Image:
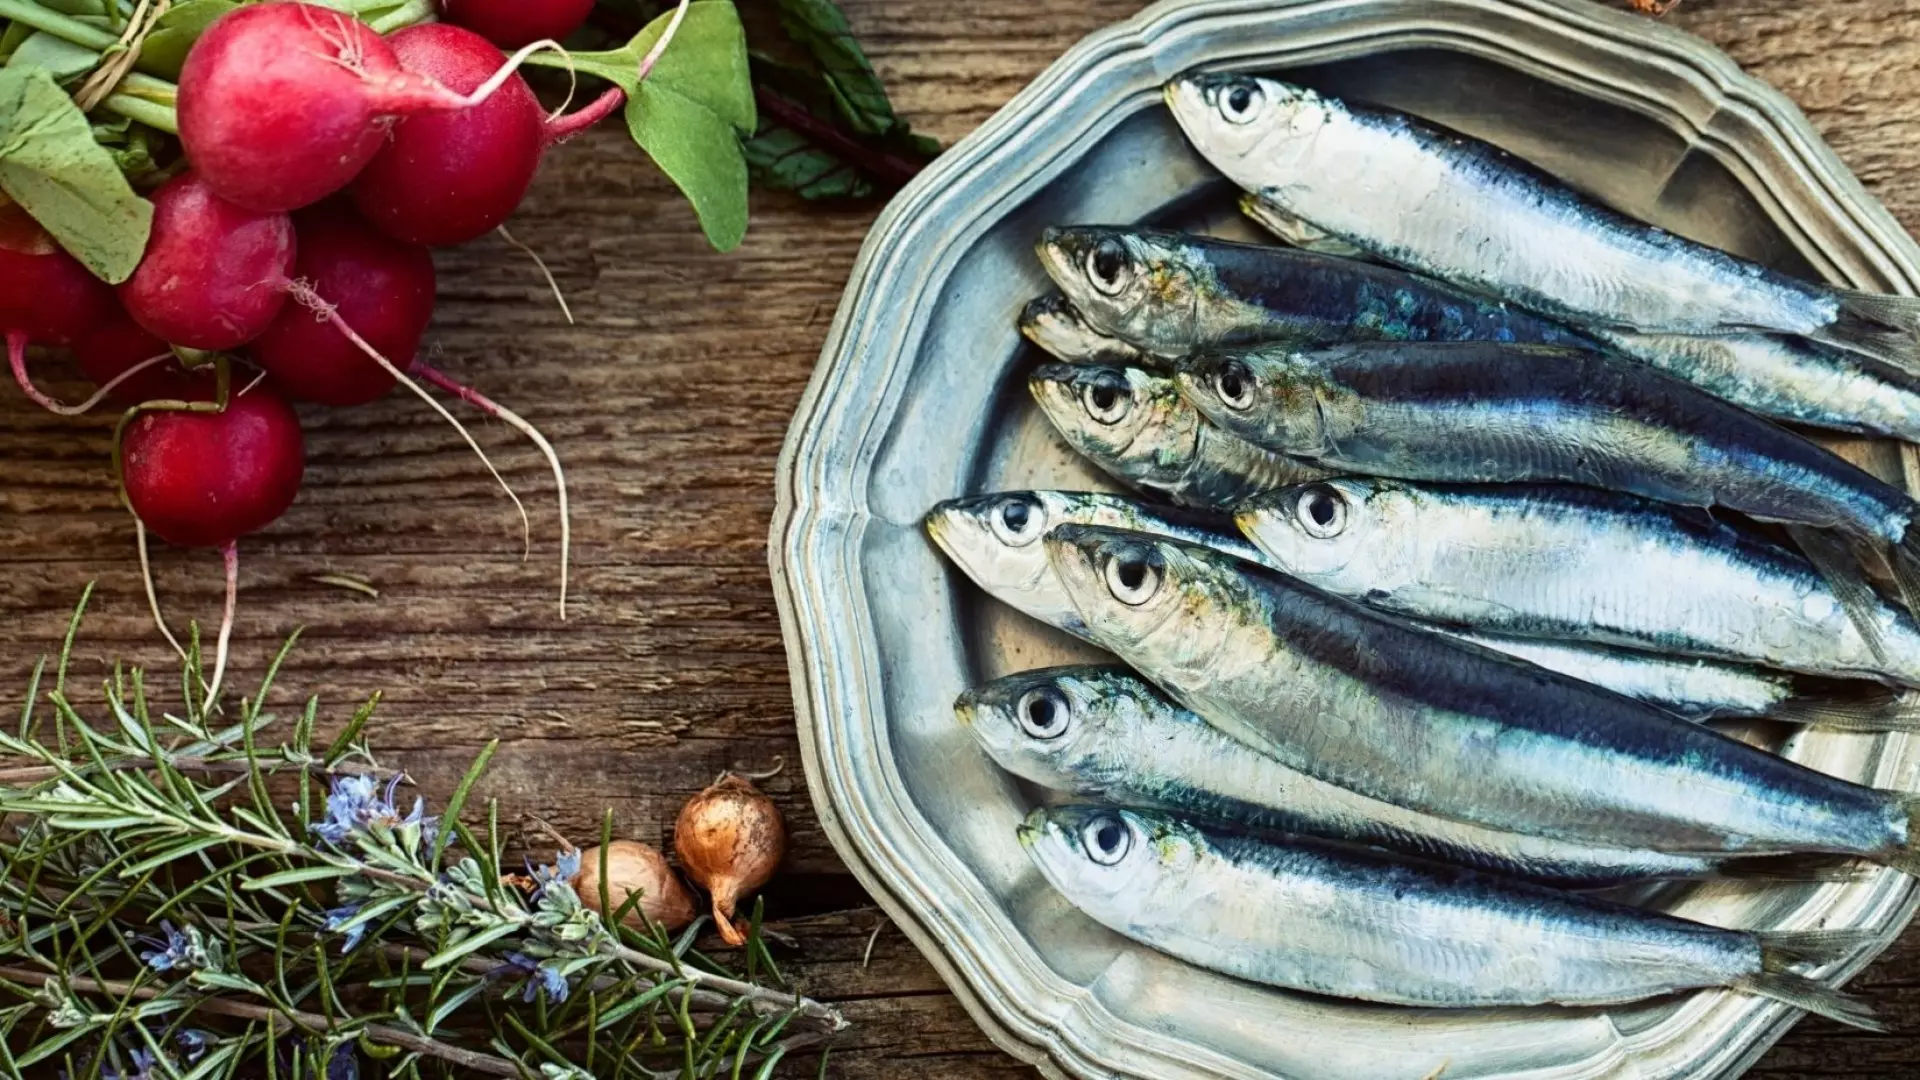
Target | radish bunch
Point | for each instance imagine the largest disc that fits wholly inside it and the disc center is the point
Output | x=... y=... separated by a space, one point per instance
x=321 y=160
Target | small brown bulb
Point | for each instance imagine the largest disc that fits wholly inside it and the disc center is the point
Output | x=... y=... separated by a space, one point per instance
x=730 y=838
x=633 y=867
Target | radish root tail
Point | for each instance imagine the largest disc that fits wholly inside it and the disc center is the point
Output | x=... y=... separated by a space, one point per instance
x=304 y=294
x=513 y=420
x=230 y=555
x=659 y=47
x=87 y=406
x=153 y=595
x=540 y=263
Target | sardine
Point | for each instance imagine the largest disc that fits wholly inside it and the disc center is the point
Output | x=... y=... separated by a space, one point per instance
x=1360 y=699
x=1476 y=413
x=1307 y=915
x=1103 y=732
x=1053 y=323
x=994 y=540
x=1170 y=294
x=1784 y=378
x=1453 y=207
x=1572 y=563
x=1138 y=428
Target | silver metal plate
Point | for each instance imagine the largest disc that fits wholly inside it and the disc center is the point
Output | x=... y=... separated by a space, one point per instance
x=920 y=395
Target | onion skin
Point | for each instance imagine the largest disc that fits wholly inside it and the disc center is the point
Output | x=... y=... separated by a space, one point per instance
x=633 y=867
x=730 y=838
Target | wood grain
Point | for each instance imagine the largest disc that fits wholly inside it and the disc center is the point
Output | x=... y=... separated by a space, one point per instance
x=669 y=398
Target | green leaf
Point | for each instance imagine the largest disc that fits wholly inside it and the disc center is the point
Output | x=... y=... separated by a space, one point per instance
x=805 y=147
x=469 y=946
x=822 y=28
x=699 y=152
x=706 y=62
x=52 y=167
x=57 y=57
x=459 y=800
x=297 y=877
x=166 y=47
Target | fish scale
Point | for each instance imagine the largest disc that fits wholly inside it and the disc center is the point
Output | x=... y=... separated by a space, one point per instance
x=1351 y=923
x=1380 y=707
x=1576 y=564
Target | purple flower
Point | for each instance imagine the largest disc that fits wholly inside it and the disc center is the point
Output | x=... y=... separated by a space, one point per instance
x=540 y=978
x=341 y=916
x=353 y=809
x=566 y=867
x=143 y=1067
x=193 y=1043
x=178 y=951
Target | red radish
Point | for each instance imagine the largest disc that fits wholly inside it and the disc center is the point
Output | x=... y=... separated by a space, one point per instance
x=281 y=104
x=362 y=302
x=205 y=479
x=210 y=275
x=513 y=23
x=46 y=296
x=382 y=287
x=132 y=366
x=445 y=178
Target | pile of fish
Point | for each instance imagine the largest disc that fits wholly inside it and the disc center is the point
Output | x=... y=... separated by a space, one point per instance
x=1458 y=523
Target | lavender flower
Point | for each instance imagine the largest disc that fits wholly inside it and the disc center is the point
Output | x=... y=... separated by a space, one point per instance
x=144 y=1064
x=566 y=867
x=353 y=809
x=540 y=978
x=181 y=950
x=193 y=1043
x=341 y=916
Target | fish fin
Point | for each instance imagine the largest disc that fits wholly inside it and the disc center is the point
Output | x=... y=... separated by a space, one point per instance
x=1869 y=708
x=1906 y=857
x=1885 y=328
x=1816 y=998
x=1841 y=569
x=1903 y=560
x=1295 y=231
x=1780 y=949
x=1811 y=867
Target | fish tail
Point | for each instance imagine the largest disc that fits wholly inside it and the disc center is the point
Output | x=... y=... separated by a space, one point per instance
x=1839 y=565
x=1905 y=857
x=1867 y=708
x=1886 y=328
x=1809 y=867
x=1780 y=949
x=1817 y=998
x=1904 y=561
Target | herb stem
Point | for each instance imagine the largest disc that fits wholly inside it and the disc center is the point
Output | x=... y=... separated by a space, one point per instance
x=34 y=774
x=890 y=169
x=488 y=1064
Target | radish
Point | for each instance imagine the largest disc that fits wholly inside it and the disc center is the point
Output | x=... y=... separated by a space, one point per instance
x=363 y=300
x=205 y=479
x=281 y=104
x=207 y=280
x=513 y=23
x=382 y=287
x=445 y=178
x=46 y=296
x=132 y=366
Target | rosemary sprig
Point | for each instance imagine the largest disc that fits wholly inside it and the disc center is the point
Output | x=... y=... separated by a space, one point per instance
x=188 y=895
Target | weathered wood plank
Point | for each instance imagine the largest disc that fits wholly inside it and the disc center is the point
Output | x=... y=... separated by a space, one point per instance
x=669 y=398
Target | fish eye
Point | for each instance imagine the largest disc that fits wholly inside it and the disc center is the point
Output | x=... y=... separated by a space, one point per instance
x=1106 y=401
x=1017 y=520
x=1106 y=839
x=1132 y=578
x=1043 y=713
x=1234 y=385
x=1322 y=512
x=1108 y=267
x=1240 y=103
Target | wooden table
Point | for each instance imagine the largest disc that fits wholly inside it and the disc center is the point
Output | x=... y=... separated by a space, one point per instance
x=669 y=399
